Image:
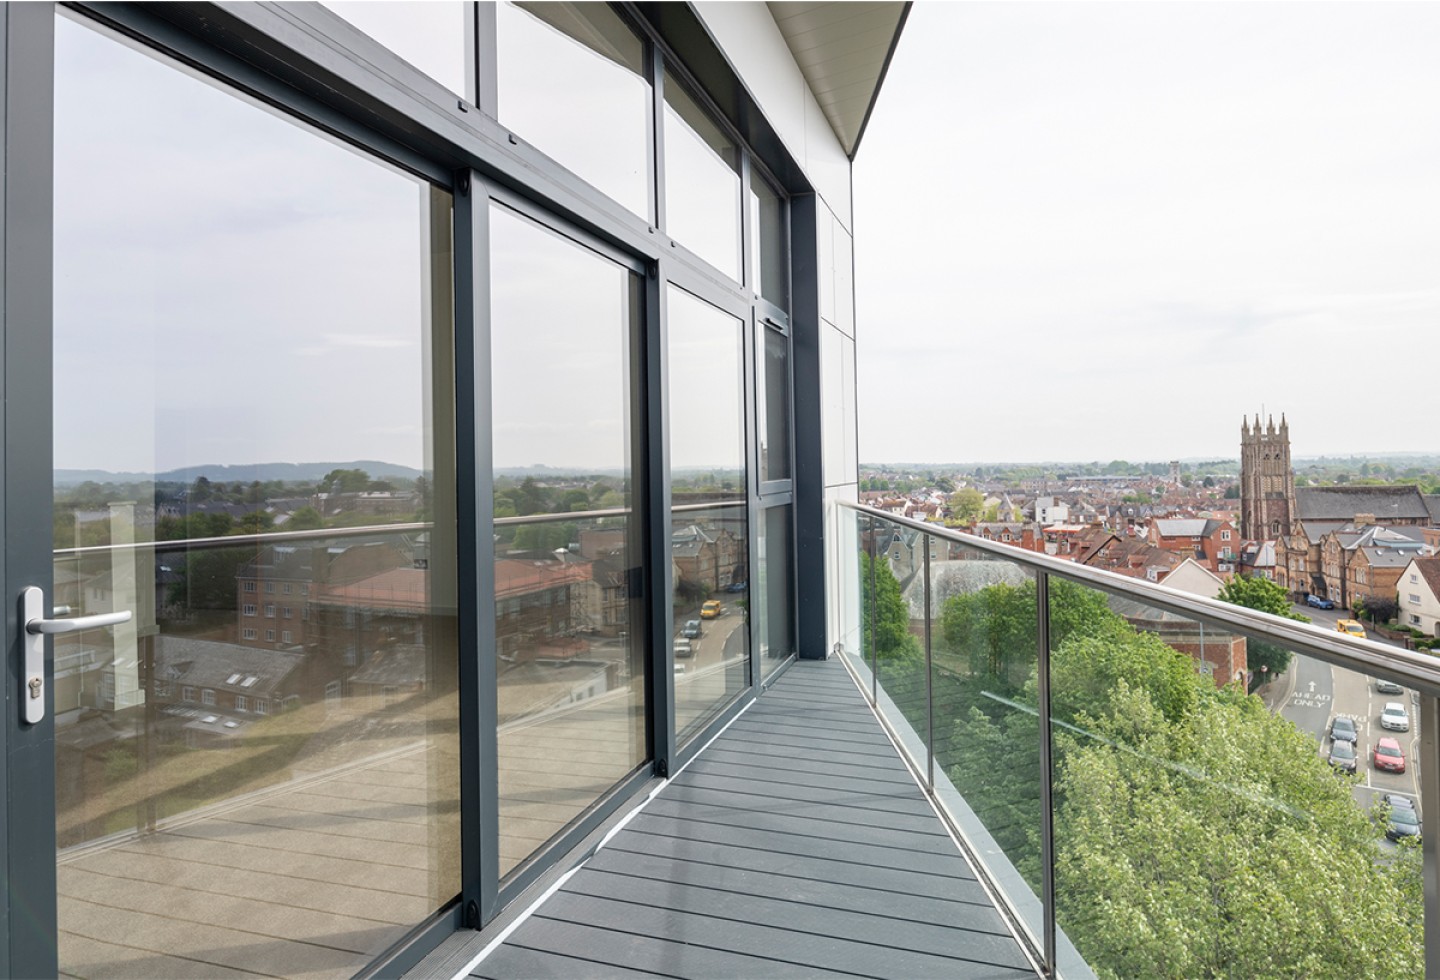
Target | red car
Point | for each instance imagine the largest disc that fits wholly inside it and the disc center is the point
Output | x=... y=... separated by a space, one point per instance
x=1388 y=755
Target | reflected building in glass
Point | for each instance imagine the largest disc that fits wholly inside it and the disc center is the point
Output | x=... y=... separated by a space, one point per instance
x=431 y=424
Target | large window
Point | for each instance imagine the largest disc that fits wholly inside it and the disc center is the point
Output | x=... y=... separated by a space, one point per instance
x=245 y=311
x=572 y=82
x=702 y=181
x=569 y=615
x=709 y=528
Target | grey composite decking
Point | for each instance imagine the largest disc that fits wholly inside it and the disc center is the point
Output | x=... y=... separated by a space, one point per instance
x=795 y=845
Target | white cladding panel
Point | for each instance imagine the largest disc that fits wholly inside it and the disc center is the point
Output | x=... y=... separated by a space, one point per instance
x=755 y=48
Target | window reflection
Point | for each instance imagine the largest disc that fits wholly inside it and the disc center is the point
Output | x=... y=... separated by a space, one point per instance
x=773 y=590
x=709 y=529
x=430 y=34
x=769 y=257
x=702 y=181
x=272 y=738
x=775 y=408
x=569 y=615
x=573 y=83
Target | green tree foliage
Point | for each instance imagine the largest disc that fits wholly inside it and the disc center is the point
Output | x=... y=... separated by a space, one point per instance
x=886 y=619
x=993 y=630
x=345 y=481
x=966 y=505
x=1219 y=845
x=1197 y=834
x=1265 y=596
x=305 y=519
x=256 y=522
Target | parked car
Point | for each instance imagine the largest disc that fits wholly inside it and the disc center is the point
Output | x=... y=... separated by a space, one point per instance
x=1342 y=756
x=691 y=629
x=1319 y=602
x=737 y=586
x=1403 y=822
x=1395 y=799
x=1394 y=717
x=1389 y=756
x=711 y=609
x=1383 y=686
x=1343 y=730
x=1351 y=626
x=684 y=649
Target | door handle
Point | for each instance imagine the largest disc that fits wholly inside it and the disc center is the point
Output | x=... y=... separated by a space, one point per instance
x=32 y=614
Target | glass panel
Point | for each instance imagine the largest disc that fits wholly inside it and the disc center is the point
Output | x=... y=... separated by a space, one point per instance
x=702 y=182
x=774 y=590
x=430 y=34
x=258 y=772
x=893 y=585
x=769 y=257
x=572 y=82
x=1235 y=834
x=987 y=730
x=775 y=408
x=569 y=621
x=709 y=530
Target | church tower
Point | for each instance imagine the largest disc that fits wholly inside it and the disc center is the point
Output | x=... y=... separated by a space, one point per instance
x=1267 y=483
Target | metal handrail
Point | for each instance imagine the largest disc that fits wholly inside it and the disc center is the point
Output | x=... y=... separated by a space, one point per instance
x=235 y=540
x=1406 y=667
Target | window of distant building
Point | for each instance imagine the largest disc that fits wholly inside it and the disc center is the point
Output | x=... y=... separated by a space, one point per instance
x=248 y=609
x=1414 y=619
x=270 y=610
x=270 y=587
x=187 y=694
x=1224 y=535
x=240 y=704
x=249 y=586
x=248 y=634
x=269 y=636
x=207 y=696
x=1414 y=599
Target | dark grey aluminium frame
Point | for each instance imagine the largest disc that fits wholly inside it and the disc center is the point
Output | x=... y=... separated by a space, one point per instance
x=307 y=62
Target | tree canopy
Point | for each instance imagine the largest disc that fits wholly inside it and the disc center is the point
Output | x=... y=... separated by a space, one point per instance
x=1197 y=834
x=1266 y=596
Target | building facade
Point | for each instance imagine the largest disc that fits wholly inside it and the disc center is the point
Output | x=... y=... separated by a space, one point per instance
x=503 y=296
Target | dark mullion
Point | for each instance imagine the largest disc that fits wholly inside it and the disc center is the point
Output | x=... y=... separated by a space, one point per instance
x=660 y=580
x=27 y=762
x=479 y=713
x=483 y=48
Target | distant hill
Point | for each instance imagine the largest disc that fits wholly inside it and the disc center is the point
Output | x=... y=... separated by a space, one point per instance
x=243 y=473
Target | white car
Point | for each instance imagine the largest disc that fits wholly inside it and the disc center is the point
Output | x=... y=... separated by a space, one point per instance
x=1395 y=718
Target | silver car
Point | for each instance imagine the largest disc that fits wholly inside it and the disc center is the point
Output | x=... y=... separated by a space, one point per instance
x=1394 y=717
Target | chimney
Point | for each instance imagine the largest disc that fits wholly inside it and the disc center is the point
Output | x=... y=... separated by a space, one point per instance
x=1364 y=520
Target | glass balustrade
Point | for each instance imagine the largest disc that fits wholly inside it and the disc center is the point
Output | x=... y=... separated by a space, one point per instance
x=1155 y=783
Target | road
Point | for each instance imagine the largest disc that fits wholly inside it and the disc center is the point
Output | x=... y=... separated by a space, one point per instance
x=1315 y=693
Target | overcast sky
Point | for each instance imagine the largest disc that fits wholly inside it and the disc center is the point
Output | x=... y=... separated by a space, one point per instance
x=1099 y=231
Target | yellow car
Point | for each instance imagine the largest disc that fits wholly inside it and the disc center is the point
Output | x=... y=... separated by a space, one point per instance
x=1352 y=627
x=711 y=609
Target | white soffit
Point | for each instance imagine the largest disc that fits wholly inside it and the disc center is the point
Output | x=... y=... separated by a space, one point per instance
x=842 y=50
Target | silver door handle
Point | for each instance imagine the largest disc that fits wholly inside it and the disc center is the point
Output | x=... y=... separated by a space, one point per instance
x=77 y=624
x=32 y=614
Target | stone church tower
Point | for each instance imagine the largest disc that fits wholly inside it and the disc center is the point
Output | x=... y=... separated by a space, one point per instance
x=1267 y=483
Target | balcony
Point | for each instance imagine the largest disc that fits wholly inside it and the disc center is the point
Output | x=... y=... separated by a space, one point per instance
x=1089 y=741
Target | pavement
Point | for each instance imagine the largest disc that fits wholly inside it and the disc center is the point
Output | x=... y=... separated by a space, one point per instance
x=1312 y=693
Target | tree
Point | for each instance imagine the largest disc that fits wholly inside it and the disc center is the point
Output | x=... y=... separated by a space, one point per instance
x=966 y=505
x=1265 y=596
x=1379 y=609
x=993 y=630
x=1210 y=845
x=345 y=481
x=885 y=626
x=305 y=519
x=1232 y=492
